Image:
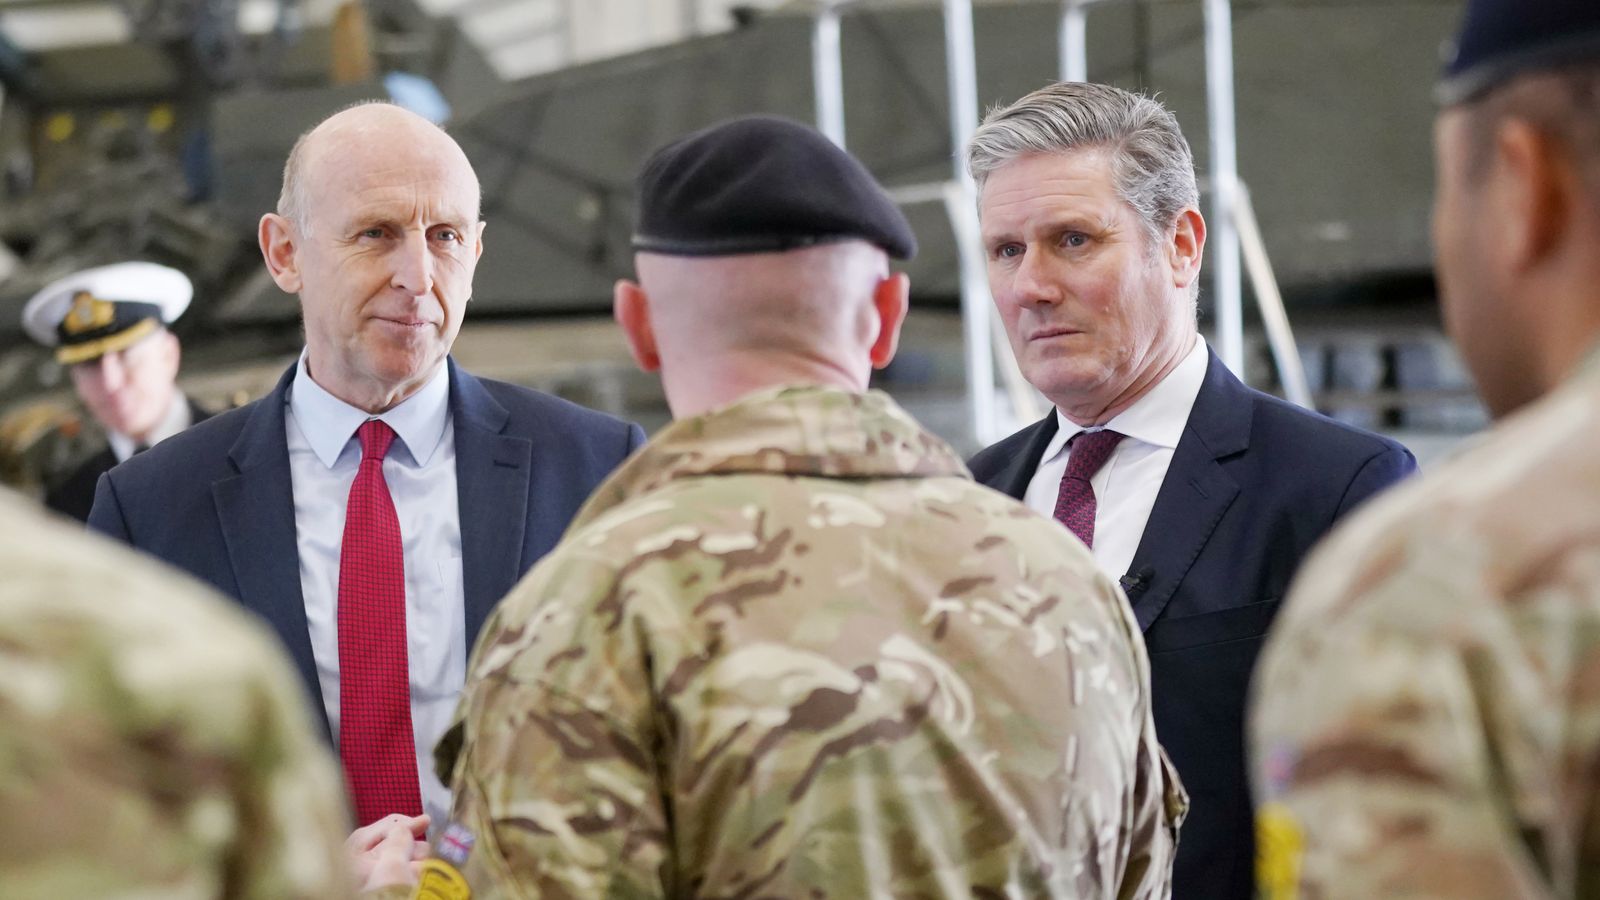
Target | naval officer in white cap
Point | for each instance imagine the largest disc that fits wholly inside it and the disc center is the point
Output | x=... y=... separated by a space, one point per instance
x=109 y=327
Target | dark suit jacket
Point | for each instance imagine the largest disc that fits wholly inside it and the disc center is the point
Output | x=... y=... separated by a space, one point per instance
x=74 y=494
x=1254 y=482
x=217 y=501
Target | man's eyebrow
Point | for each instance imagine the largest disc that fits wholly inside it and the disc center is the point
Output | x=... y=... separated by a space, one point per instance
x=1084 y=221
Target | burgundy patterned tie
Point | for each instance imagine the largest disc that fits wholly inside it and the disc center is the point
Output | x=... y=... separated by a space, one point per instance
x=1075 y=505
x=375 y=740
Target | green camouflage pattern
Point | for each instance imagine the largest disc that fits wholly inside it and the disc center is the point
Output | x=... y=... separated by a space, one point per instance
x=152 y=742
x=1427 y=718
x=790 y=649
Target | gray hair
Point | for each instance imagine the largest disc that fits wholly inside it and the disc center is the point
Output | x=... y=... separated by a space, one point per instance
x=292 y=196
x=1152 y=161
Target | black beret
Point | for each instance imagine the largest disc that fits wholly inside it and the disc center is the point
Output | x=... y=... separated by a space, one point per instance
x=1503 y=38
x=761 y=184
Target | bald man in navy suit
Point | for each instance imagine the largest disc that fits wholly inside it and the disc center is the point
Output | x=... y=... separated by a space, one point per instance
x=378 y=503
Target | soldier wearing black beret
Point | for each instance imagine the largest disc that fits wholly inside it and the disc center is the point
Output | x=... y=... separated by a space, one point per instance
x=1428 y=714
x=802 y=653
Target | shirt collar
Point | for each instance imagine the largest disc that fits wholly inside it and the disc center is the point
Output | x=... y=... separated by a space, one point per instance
x=329 y=423
x=1158 y=418
x=177 y=418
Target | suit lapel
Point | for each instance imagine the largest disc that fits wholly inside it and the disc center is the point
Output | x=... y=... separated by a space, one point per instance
x=256 y=510
x=492 y=473
x=1194 y=495
x=1013 y=480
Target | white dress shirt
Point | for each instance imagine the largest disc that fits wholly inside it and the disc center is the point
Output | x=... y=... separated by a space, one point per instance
x=1125 y=488
x=420 y=469
x=177 y=418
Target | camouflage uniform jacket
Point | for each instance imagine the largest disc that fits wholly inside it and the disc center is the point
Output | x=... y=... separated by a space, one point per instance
x=1428 y=714
x=153 y=742
x=790 y=649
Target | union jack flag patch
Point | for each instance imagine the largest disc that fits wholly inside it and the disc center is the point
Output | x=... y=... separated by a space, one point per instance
x=455 y=844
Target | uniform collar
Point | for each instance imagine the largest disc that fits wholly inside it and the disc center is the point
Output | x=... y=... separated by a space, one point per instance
x=805 y=431
x=328 y=423
x=1158 y=418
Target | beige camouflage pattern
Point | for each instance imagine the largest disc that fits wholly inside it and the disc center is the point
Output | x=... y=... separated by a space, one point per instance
x=151 y=743
x=790 y=649
x=1427 y=720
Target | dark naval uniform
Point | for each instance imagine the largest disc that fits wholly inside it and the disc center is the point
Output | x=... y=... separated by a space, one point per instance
x=73 y=494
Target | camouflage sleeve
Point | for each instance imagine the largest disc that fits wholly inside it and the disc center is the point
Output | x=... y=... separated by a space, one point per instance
x=159 y=755
x=291 y=800
x=1387 y=747
x=555 y=796
x=1160 y=801
x=1160 y=804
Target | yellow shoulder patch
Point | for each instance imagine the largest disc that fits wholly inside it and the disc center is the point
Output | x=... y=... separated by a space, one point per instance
x=1280 y=846
x=441 y=881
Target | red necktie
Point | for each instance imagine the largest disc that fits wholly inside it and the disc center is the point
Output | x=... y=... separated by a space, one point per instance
x=1075 y=505
x=375 y=741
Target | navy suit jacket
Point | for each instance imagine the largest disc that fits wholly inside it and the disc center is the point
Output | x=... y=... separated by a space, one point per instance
x=1253 y=483
x=217 y=501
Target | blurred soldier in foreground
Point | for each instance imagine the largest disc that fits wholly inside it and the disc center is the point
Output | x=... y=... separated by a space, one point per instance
x=790 y=649
x=1428 y=716
x=152 y=741
x=109 y=327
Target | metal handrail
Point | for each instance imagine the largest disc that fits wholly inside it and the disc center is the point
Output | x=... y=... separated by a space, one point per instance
x=827 y=72
x=1223 y=132
x=1225 y=277
x=1274 y=315
x=959 y=194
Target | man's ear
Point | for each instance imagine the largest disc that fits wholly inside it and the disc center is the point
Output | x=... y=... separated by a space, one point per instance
x=176 y=349
x=171 y=351
x=631 y=306
x=278 y=240
x=478 y=251
x=891 y=298
x=1187 y=248
x=1530 y=184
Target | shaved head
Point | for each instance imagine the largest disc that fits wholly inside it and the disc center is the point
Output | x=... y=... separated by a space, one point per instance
x=721 y=326
x=366 y=127
x=804 y=301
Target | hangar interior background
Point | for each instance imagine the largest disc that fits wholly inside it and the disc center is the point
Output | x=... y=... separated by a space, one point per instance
x=156 y=129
